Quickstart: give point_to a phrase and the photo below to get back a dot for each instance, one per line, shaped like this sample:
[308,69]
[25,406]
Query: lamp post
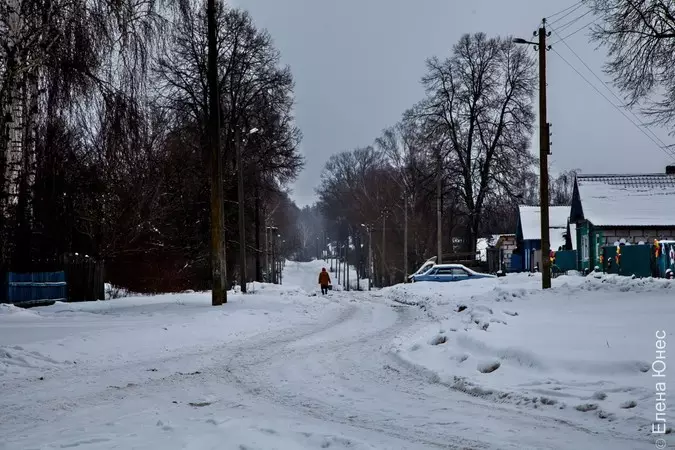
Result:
[242,223]
[544,151]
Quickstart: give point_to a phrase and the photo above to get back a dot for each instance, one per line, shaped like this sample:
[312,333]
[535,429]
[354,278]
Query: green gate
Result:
[633,260]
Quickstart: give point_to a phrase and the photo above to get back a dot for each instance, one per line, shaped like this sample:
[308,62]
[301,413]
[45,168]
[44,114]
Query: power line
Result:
[616,107]
[574,7]
[575,20]
[663,144]
[576,31]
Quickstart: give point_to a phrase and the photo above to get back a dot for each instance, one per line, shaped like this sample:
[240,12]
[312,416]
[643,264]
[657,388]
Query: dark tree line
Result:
[103,138]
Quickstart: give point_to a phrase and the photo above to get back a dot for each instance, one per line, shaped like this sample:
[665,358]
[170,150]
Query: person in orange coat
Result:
[324,281]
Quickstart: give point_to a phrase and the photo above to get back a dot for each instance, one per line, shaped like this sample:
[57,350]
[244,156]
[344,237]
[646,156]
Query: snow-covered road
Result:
[277,370]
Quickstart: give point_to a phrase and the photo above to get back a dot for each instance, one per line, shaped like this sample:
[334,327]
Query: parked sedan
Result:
[449,272]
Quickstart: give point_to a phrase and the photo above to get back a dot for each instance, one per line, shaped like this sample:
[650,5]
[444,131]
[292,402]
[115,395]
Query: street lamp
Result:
[544,150]
[242,224]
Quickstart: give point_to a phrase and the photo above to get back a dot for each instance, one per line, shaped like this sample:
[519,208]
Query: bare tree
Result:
[480,99]
[640,38]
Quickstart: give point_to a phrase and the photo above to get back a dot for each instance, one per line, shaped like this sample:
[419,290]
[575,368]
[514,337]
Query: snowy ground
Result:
[283,368]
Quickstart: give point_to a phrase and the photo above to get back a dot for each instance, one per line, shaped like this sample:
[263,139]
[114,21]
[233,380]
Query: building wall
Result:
[634,236]
[594,238]
[590,241]
[529,259]
[508,245]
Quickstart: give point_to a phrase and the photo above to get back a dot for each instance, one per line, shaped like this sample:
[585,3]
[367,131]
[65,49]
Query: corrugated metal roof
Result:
[639,200]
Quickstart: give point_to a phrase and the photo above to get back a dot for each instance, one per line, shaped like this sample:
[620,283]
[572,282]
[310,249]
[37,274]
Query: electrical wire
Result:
[573,21]
[663,144]
[574,7]
[576,31]
[668,153]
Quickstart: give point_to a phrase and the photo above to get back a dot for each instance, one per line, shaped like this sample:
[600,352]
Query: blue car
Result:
[449,272]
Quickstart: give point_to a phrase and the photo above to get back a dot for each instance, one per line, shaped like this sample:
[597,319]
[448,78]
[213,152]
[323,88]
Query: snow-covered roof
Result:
[531,225]
[628,200]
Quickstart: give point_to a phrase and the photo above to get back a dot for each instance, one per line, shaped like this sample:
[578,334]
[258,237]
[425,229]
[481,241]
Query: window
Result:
[424,269]
[460,272]
[585,247]
[444,271]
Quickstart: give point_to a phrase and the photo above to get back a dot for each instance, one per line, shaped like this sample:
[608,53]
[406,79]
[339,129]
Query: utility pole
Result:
[439,209]
[405,237]
[347,262]
[218,267]
[281,262]
[337,261]
[242,224]
[258,250]
[359,260]
[273,269]
[543,162]
[370,257]
[384,247]
[544,150]
[267,252]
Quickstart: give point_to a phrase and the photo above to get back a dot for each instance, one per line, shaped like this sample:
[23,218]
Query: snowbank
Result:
[582,350]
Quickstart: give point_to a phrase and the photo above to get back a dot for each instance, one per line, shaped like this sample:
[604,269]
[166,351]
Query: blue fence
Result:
[25,289]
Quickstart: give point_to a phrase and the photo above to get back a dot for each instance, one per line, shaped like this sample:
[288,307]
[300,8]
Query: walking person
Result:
[324,281]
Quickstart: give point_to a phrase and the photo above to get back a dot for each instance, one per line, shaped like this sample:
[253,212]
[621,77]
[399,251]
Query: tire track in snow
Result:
[254,378]
[16,416]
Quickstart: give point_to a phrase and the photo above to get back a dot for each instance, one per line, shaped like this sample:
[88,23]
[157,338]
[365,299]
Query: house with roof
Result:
[626,209]
[528,233]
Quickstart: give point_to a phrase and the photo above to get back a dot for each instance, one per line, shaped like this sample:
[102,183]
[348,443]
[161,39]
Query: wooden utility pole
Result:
[359,260]
[439,208]
[544,150]
[384,248]
[405,237]
[347,263]
[273,250]
[370,256]
[218,268]
[242,223]
[339,263]
[267,253]
[544,141]
[258,245]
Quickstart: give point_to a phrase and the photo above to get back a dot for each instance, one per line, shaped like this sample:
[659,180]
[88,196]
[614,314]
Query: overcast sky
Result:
[357,66]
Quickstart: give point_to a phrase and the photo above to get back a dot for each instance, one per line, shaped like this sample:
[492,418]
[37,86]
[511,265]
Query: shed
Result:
[528,233]
[627,208]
